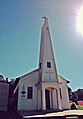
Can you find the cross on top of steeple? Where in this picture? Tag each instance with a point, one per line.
(45, 17)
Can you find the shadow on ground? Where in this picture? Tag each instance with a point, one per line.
(10, 115)
(31, 113)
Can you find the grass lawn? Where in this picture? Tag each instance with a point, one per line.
(80, 107)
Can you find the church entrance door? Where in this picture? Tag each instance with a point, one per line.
(47, 96)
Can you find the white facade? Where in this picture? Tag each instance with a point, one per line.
(64, 93)
(26, 81)
(43, 89)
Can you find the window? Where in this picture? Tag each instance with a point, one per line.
(39, 65)
(30, 93)
(48, 64)
(46, 28)
(60, 93)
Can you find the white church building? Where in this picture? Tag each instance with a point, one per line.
(43, 88)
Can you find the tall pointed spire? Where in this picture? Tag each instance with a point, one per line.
(45, 21)
(47, 67)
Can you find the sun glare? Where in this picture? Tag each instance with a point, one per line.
(80, 21)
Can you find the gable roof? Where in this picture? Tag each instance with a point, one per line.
(19, 78)
(64, 78)
(25, 75)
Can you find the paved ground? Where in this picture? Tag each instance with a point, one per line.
(67, 113)
(45, 115)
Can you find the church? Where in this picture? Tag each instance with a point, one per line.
(43, 88)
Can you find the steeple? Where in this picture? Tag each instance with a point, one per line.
(47, 67)
(45, 20)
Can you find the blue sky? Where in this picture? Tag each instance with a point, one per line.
(20, 24)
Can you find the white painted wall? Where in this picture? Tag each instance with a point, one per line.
(65, 96)
(39, 99)
(28, 81)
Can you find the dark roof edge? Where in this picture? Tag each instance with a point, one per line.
(64, 78)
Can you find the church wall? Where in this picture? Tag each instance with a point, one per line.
(55, 99)
(65, 99)
(39, 98)
(23, 102)
(48, 74)
(65, 96)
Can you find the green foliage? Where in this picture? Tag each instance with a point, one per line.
(80, 107)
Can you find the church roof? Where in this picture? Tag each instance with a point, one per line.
(64, 78)
(35, 70)
(25, 75)
(19, 78)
